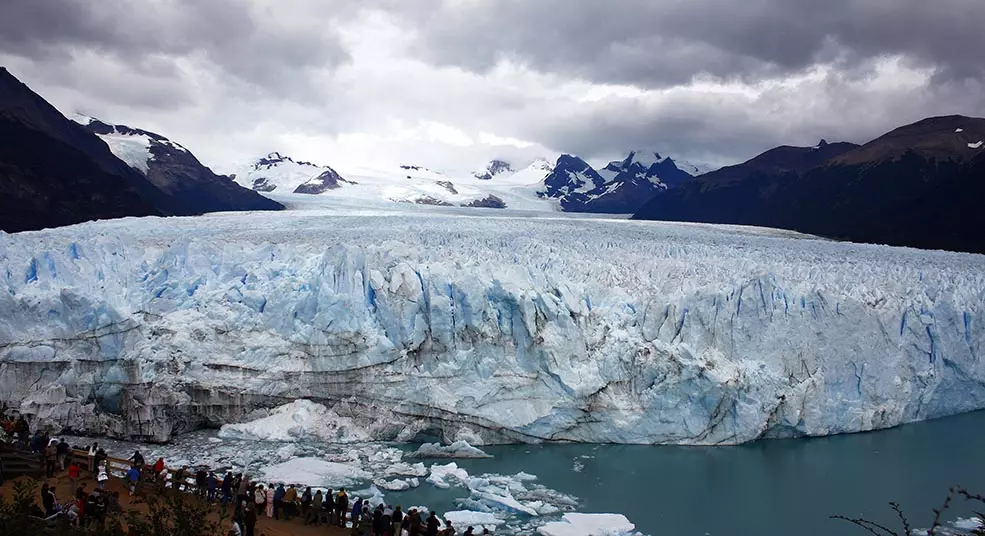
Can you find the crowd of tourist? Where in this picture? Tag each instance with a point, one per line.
(250, 499)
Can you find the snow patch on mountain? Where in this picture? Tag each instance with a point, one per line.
(133, 149)
(976, 145)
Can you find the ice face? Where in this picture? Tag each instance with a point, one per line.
(493, 329)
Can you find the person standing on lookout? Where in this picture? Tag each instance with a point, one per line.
(341, 507)
(433, 524)
(62, 450)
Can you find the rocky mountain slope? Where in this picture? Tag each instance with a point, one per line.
(54, 172)
(920, 185)
(192, 187)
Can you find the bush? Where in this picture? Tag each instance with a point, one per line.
(177, 514)
(936, 528)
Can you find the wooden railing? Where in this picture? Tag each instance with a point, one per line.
(118, 467)
(17, 462)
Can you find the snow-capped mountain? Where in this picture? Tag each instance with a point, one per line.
(621, 187)
(493, 169)
(192, 188)
(283, 174)
(328, 180)
(648, 166)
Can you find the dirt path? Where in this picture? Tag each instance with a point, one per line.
(65, 489)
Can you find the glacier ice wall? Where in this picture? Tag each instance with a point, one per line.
(492, 329)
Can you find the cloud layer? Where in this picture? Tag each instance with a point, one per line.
(455, 82)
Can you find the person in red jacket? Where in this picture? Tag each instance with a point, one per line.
(158, 466)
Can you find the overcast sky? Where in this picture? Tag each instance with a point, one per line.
(452, 83)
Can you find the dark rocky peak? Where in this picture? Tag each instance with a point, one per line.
(276, 158)
(495, 167)
(327, 180)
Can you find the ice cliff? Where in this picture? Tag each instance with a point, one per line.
(491, 329)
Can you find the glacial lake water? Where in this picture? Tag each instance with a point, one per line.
(769, 488)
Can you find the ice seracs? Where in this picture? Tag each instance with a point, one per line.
(416, 324)
(301, 419)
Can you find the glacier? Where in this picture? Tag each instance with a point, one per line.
(488, 328)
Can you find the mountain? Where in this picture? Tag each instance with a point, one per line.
(494, 168)
(281, 173)
(55, 172)
(621, 187)
(328, 180)
(191, 187)
(920, 185)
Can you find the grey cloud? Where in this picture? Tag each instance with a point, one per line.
(239, 39)
(654, 44)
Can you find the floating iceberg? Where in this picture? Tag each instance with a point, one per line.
(315, 472)
(406, 469)
(505, 328)
(458, 449)
(588, 525)
(466, 518)
(441, 474)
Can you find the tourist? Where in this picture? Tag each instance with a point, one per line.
(251, 520)
(357, 510)
(366, 523)
(137, 460)
(270, 501)
(158, 466)
(102, 477)
(260, 500)
(387, 528)
(449, 530)
(468, 531)
(341, 506)
(201, 482)
(50, 460)
(212, 483)
(62, 450)
(433, 524)
(398, 518)
(113, 503)
(91, 508)
(37, 444)
(227, 488)
(80, 500)
(100, 458)
(243, 487)
(162, 477)
(378, 520)
(305, 504)
(279, 500)
(47, 500)
(290, 502)
(93, 467)
(133, 475)
(74, 471)
(237, 529)
(314, 511)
